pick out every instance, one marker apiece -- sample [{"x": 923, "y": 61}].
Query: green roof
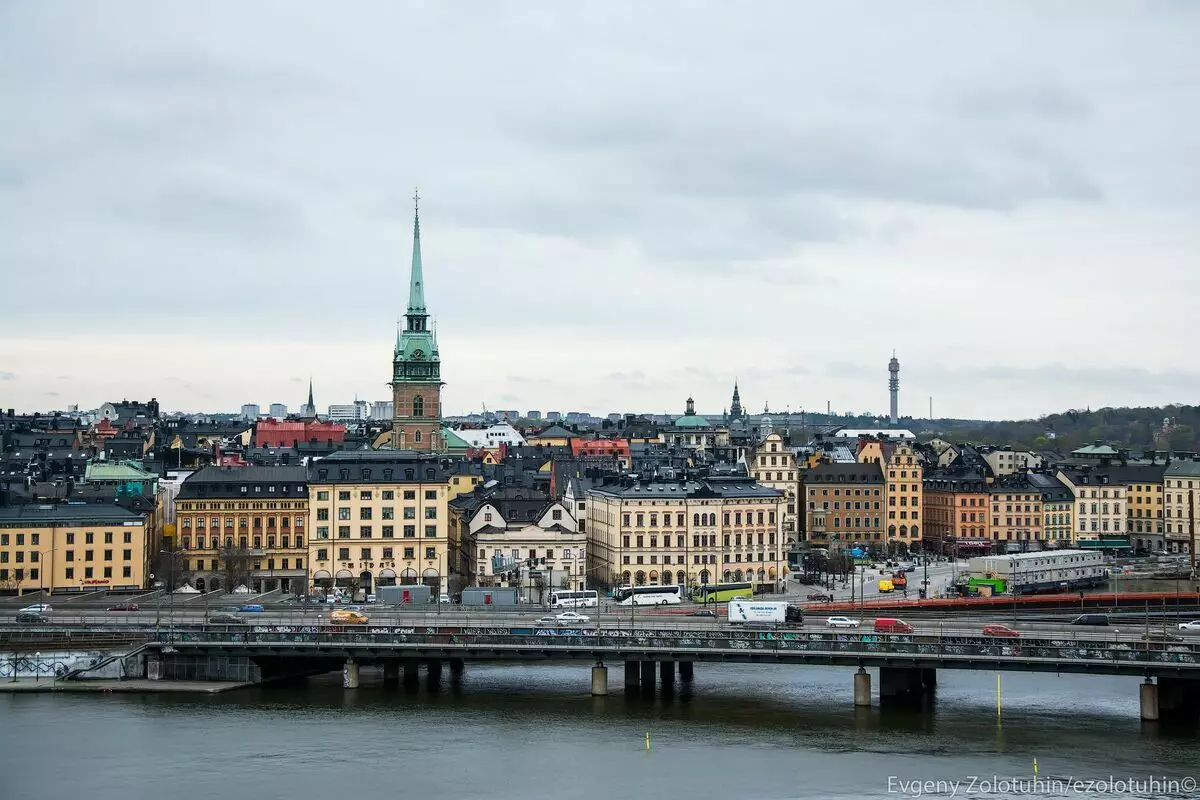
[
  {"x": 453, "y": 440},
  {"x": 692, "y": 421},
  {"x": 116, "y": 471},
  {"x": 1094, "y": 450}
]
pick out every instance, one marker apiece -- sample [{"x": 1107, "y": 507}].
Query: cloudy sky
[{"x": 622, "y": 203}]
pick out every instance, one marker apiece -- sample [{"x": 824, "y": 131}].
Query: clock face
[{"x": 418, "y": 354}]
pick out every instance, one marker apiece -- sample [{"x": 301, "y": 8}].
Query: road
[{"x": 866, "y": 583}]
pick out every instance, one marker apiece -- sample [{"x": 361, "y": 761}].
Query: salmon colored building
[{"x": 289, "y": 433}]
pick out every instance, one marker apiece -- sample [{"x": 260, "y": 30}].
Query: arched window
[
  {"x": 417, "y": 434},
  {"x": 696, "y": 519},
  {"x": 641, "y": 578},
  {"x": 667, "y": 577},
  {"x": 418, "y": 407}
]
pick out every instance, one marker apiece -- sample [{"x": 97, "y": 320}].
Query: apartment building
[{"x": 73, "y": 547}]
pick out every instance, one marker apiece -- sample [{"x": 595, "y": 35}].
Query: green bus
[{"x": 722, "y": 592}]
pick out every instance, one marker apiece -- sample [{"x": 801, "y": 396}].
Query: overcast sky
[{"x": 622, "y": 203}]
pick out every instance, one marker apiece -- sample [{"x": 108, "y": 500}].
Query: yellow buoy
[{"x": 647, "y": 741}]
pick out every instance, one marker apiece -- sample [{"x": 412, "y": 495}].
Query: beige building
[
  {"x": 242, "y": 526},
  {"x": 1005, "y": 461},
  {"x": 506, "y": 541},
  {"x": 1181, "y": 494},
  {"x": 844, "y": 505},
  {"x": 691, "y": 533},
  {"x": 774, "y": 466},
  {"x": 1101, "y": 504},
  {"x": 903, "y": 488},
  {"x": 380, "y": 518},
  {"x": 78, "y": 548}
]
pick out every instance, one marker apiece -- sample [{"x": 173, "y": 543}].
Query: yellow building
[
  {"x": 903, "y": 489},
  {"x": 380, "y": 518},
  {"x": 691, "y": 533},
  {"x": 72, "y": 548},
  {"x": 1145, "y": 518},
  {"x": 552, "y": 436},
  {"x": 243, "y": 526},
  {"x": 774, "y": 465},
  {"x": 1181, "y": 502}
]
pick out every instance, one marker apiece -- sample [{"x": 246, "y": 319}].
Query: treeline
[{"x": 1160, "y": 428}]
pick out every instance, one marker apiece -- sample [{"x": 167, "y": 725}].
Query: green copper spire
[{"x": 416, "y": 285}]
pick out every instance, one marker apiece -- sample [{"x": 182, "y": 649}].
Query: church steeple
[
  {"x": 735, "y": 407},
  {"x": 416, "y": 313}
]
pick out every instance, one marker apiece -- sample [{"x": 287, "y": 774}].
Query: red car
[
  {"x": 999, "y": 630},
  {"x": 124, "y": 607}
]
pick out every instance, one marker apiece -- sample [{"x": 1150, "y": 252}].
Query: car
[
  {"x": 1194, "y": 625},
  {"x": 444, "y": 599},
  {"x": 124, "y": 607},
  {"x": 1091, "y": 619},
  {"x": 545, "y": 621},
  {"x": 31, "y": 618},
  {"x": 372, "y": 599},
  {"x": 225, "y": 619},
  {"x": 999, "y": 630},
  {"x": 36, "y": 608},
  {"x": 703, "y": 612},
  {"x": 841, "y": 622},
  {"x": 251, "y": 608},
  {"x": 1161, "y": 636},
  {"x": 892, "y": 625},
  {"x": 344, "y": 616},
  {"x": 572, "y": 616},
  {"x": 820, "y": 596}
]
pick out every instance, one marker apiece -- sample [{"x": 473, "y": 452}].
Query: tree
[{"x": 237, "y": 564}]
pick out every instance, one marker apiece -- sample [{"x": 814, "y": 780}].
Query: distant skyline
[{"x": 620, "y": 207}]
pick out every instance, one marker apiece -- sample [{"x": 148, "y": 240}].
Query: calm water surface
[{"x": 533, "y": 732}]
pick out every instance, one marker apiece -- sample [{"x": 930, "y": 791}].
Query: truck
[{"x": 760, "y": 611}]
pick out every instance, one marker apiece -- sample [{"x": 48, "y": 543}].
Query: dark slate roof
[
  {"x": 378, "y": 466},
  {"x": 556, "y": 432},
  {"x": 16, "y": 516},
  {"x": 214, "y": 481},
  {"x": 731, "y": 488},
  {"x": 844, "y": 473}
]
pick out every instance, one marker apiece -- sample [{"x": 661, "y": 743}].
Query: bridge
[{"x": 907, "y": 663}]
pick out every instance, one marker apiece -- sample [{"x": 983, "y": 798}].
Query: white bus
[
  {"x": 580, "y": 598},
  {"x": 649, "y": 595}
]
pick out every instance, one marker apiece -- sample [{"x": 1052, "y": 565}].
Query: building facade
[
  {"x": 686, "y": 533},
  {"x": 903, "y": 488},
  {"x": 956, "y": 513},
  {"x": 1145, "y": 523},
  {"x": 1100, "y": 505},
  {"x": 243, "y": 526},
  {"x": 73, "y": 547},
  {"x": 416, "y": 368},
  {"x": 844, "y": 505},
  {"x": 1016, "y": 511},
  {"x": 774, "y": 466},
  {"x": 380, "y": 518},
  {"x": 504, "y": 546},
  {"x": 1181, "y": 480}
]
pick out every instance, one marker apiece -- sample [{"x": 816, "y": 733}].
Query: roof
[
  {"x": 66, "y": 514},
  {"x": 692, "y": 421},
  {"x": 115, "y": 471},
  {"x": 213, "y": 481},
  {"x": 378, "y": 466},
  {"x": 554, "y": 432},
  {"x": 844, "y": 473},
  {"x": 453, "y": 440},
  {"x": 1094, "y": 450},
  {"x": 732, "y": 488},
  {"x": 1186, "y": 469}
]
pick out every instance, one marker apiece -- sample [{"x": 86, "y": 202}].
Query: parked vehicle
[
  {"x": 828, "y": 598},
  {"x": 703, "y": 612},
  {"x": 892, "y": 625},
  {"x": 372, "y": 599},
  {"x": 225, "y": 619},
  {"x": 251, "y": 608},
  {"x": 886, "y": 586},
  {"x": 841, "y": 622},
  {"x": 31, "y": 618},
  {"x": 1091, "y": 619},
  {"x": 36, "y": 608},
  {"x": 344, "y": 616},
  {"x": 124, "y": 607},
  {"x": 999, "y": 630}
]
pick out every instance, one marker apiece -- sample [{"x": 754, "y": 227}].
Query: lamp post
[
  {"x": 37, "y": 666},
  {"x": 171, "y": 555}
]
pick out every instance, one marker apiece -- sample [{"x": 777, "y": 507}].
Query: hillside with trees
[{"x": 1160, "y": 428}]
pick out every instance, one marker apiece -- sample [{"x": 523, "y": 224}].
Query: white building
[
  {"x": 552, "y": 540},
  {"x": 1100, "y": 504},
  {"x": 348, "y": 412},
  {"x": 1043, "y": 571},
  {"x": 492, "y": 436},
  {"x": 1010, "y": 462},
  {"x": 251, "y": 411},
  {"x": 278, "y": 410},
  {"x": 382, "y": 409},
  {"x": 875, "y": 433}
]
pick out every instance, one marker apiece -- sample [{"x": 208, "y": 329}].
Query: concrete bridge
[{"x": 907, "y": 663}]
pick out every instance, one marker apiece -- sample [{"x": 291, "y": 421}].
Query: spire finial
[{"x": 416, "y": 285}]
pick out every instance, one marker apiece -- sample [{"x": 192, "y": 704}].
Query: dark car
[
  {"x": 124, "y": 607},
  {"x": 1161, "y": 636},
  {"x": 1091, "y": 619},
  {"x": 820, "y": 596},
  {"x": 703, "y": 612},
  {"x": 226, "y": 619},
  {"x": 32, "y": 618}
]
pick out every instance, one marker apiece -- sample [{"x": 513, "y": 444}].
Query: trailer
[
  {"x": 763, "y": 612},
  {"x": 490, "y": 596}
]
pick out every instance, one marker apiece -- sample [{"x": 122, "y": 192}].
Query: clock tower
[{"x": 416, "y": 368}]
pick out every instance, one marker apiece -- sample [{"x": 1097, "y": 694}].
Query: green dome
[{"x": 692, "y": 421}]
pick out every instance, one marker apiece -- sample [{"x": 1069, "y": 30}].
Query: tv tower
[{"x": 894, "y": 389}]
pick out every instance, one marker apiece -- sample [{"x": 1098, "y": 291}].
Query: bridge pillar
[
  {"x": 905, "y": 684},
  {"x": 1149, "y": 701},
  {"x": 862, "y": 688},
  {"x": 599, "y": 680},
  {"x": 433, "y": 669},
  {"x": 350, "y": 674},
  {"x": 632, "y": 670},
  {"x": 666, "y": 672},
  {"x": 457, "y": 665},
  {"x": 1179, "y": 700},
  {"x": 411, "y": 665},
  {"x": 391, "y": 673},
  {"x": 687, "y": 670},
  {"x": 648, "y": 674}
]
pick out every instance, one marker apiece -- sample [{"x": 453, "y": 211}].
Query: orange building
[{"x": 955, "y": 513}]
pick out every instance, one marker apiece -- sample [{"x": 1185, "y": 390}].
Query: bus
[
  {"x": 649, "y": 595},
  {"x": 580, "y": 598},
  {"x": 723, "y": 592}
]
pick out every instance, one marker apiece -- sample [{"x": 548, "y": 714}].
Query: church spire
[
  {"x": 416, "y": 284},
  {"x": 311, "y": 404}
]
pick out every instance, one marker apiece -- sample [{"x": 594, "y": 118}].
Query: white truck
[{"x": 763, "y": 612}]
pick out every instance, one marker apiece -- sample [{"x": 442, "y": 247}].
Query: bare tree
[{"x": 237, "y": 563}]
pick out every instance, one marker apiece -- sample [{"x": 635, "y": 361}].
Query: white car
[
  {"x": 545, "y": 621},
  {"x": 36, "y": 608},
  {"x": 841, "y": 622},
  {"x": 573, "y": 616},
  {"x": 1194, "y": 625}
]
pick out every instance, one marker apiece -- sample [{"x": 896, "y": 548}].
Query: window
[
  {"x": 388, "y": 494},
  {"x": 364, "y": 513},
  {"x": 431, "y": 513},
  {"x": 343, "y": 553},
  {"x": 126, "y": 572},
  {"x": 322, "y": 532},
  {"x": 410, "y": 552},
  {"x": 410, "y": 512},
  {"x": 389, "y": 512},
  {"x": 343, "y": 513},
  {"x": 410, "y": 494},
  {"x": 365, "y": 553},
  {"x": 343, "y": 531},
  {"x": 322, "y": 554},
  {"x": 344, "y": 495},
  {"x": 431, "y": 494},
  {"x": 322, "y": 495},
  {"x": 410, "y": 531},
  {"x": 108, "y": 572},
  {"x": 430, "y": 531},
  {"x": 127, "y": 538},
  {"x": 418, "y": 406},
  {"x": 430, "y": 552},
  {"x": 88, "y": 555},
  {"x": 126, "y": 555},
  {"x": 70, "y": 573},
  {"x": 364, "y": 531},
  {"x": 388, "y": 532},
  {"x": 87, "y": 538}
]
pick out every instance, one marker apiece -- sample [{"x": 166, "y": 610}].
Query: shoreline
[{"x": 135, "y": 686}]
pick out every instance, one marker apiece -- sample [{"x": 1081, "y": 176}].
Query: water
[{"x": 507, "y": 731}]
